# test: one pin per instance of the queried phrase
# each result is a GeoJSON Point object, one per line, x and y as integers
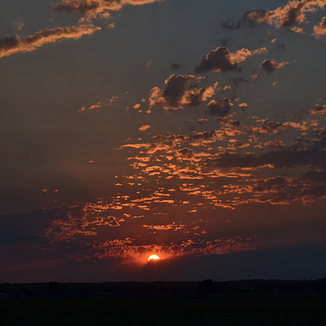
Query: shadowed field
{"type": "Point", "coordinates": [230, 311]}
{"type": "Point", "coordinates": [248, 303]}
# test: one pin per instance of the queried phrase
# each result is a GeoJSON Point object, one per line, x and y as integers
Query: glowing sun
{"type": "Point", "coordinates": [153, 258]}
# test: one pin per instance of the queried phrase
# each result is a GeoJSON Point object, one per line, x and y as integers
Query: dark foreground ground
{"type": "Point", "coordinates": [197, 303]}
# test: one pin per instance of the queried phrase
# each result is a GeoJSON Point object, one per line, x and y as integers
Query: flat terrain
{"type": "Point", "coordinates": [247, 303]}
{"type": "Point", "coordinates": [230, 311]}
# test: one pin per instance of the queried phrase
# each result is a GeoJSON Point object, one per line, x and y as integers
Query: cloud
{"type": "Point", "coordinates": [15, 44]}
{"type": "Point", "coordinates": [294, 12]}
{"type": "Point", "coordinates": [144, 127]}
{"type": "Point", "coordinates": [220, 108]}
{"type": "Point", "coordinates": [181, 91]}
{"type": "Point", "coordinates": [318, 109]}
{"type": "Point", "coordinates": [320, 29]}
{"type": "Point", "coordinates": [98, 105]}
{"type": "Point", "coordinates": [95, 7]}
{"type": "Point", "coordinates": [222, 60]}
{"type": "Point", "coordinates": [270, 65]}
{"type": "Point", "coordinates": [279, 159]}
{"type": "Point", "coordinates": [175, 66]}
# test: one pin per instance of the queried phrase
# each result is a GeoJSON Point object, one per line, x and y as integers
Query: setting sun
{"type": "Point", "coordinates": [153, 257]}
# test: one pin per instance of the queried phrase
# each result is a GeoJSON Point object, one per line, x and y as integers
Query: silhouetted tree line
{"type": "Point", "coordinates": [206, 289]}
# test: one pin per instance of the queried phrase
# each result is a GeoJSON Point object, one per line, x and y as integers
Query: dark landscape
{"type": "Point", "coordinates": [243, 302]}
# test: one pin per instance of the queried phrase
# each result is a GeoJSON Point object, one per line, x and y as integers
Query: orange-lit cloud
{"type": "Point", "coordinates": [95, 7]}
{"type": "Point", "coordinates": [318, 109]}
{"type": "Point", "coordinates": [320, 29]}
{"type": "Point", "coordinates": [222, 60]}
{"type": "Point", "coordinates": [294, 12]}
{"type": "Point", "coordinates": [98, 105]}
{"type": "Point", "coordinates": [180, 91]}
{"type": "Point", "coordinates": [15, 44]}
{"type": "Point", "coordinates": [126, 248]}
{"type": "Point", "coordinates": [270, 65]}
{"type": "Point", "coordinates": [144, 127]}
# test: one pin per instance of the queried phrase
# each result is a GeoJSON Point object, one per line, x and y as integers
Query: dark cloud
{"type": "Point", "coordinates": [220, 108]}
{"type": "Point", "coordinates": [279, 159]}
{"type": "Point", "coordinates": [222, 60]}
{"type": "Point", "coordinates": [175, 66]}
{"type": "Point", "coordinates": [250, 18]}
{"type": "Point", "coordinates": [270, 65]}
{"type": "Point", "coordinates": [294, 12]}
{"type": "Point", "coordinates": [180, 91]}
{"type": "Point", "coordinates": [238, 81]}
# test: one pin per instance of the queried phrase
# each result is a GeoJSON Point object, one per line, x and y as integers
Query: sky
{"type": "Point", "coordinates": [190, 129]}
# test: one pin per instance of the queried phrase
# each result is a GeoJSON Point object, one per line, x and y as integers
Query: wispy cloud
{"type": "Point", "coordinates": [294, 12]}
{"type": "Point", "coordinates": [96, 7]}
{"type": "Point", "coordinates": [98, 105]}
{"type": "Point", "coordinates": [15, 44]}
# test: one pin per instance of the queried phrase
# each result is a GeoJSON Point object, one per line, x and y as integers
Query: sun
{"type": "Point", "coordinates": [153, 258]}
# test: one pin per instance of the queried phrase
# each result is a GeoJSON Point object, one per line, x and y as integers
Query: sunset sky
{"type": "Point", "coordinates": [190, 129]}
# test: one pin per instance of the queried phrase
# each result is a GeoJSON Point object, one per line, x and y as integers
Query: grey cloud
{"type": "Point", "coordinates": [270, 65]}
{"type": "Point", "coordinates": [217, 60]}
{"type": "Point", "coordinates": [293, 12]}
{"type": "Point", "coordinates": [180, 91]}
{"type": "Point", "coordinates": [220, 108]}
{"type": "Point", "coordinates": [222, 60]}
{"type": "Point", "coordinates": [279, 159]}
{"type": "Point", "coordinates": [175, 66]}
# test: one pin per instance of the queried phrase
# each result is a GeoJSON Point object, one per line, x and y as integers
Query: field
{"type": "Point", "coordinates": [227, 310]}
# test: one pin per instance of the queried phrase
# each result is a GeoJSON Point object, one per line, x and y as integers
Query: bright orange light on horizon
{"type": "Point", "coordinates": [153, 257]}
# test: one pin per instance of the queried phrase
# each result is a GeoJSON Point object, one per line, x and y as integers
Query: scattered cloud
{"type": "Point", "coordinates": [220, 108]}
{"type": "Point", "coordinates": [318, 109]}
{"type": "Point", "coordinates": [320, 29]}
{"type": "Point", "coordinates": [270, 65]}
{"type": "Point", "coordinates": [98, 105]}
{"type": "Point", "coordinates": [293, 12]}
{"type": "Point", "coordinates": [222, 60]}
{"type": "Point", "coordinates": [148, 64]}
{"type": "Point", "coordinates": [180, 91]}
{"type": "Point", "coordinates": [175, 66]}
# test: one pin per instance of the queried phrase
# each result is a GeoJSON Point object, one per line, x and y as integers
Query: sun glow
{"type": "Point", "coordinates": [153, 258]}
